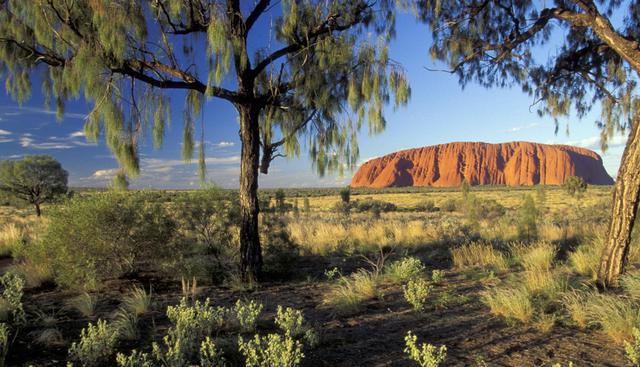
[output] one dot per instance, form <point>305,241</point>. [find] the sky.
<point>439,112</point>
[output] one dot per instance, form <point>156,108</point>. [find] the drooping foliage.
<point>566,54</point>
<point>323,73</point>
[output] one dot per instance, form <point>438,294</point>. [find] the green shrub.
<point>96,345</point>
<point>416,292</point>
<point>190,326</point>
<point>106,235</point>
<point>247,314</point>
<point>426,355</point>
<point>450,205</point>
<point>345,195</point>
<point>575,186</point>
<point>270,351</point>
<point>290,321</point>
<point>405,269</point>
<point>527,219</point>
<point>426,206</point>
<point>372,205</point>
<point>11,309</point>
<point>280,251</point>
<point>4,343</point>
<point>135,359</point>
<point>437,275</point>
<point>210,355</point>
<point>633,348</point>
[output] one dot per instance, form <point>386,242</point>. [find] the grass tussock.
<point>585,260</point>
<point>347,295</point>
<point>478,254</point>
<point>137,302</point>
<point>85,304</point>
<point>616,315</point>
<point>511,303</point>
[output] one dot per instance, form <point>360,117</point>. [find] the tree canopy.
<point>35,179</point>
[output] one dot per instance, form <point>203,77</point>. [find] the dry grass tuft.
<point>513,303</point>
<point>478,254</point>
<point>347,295</point>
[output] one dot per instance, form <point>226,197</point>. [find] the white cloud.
<point>593,142</point>
<point>23,110</point>
<point>224,144</point>
<point>520,128</point>
<point>27,142</point>
<point>77,134</point>
<point>5,140</point>
<point>5,132</point>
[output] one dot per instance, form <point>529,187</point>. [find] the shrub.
<point>135,359</point>
<point>290,321</point>
<point>426,355</point>
<point>272,350</point>
<point>477,254</point>
<point>450,205</point>
<point>514,302</point>
<point>107,235</point>
<point>190,325</point>
<point>280,251</point>
<point>372,206</point>
<point>11,309</point>
<point>405,269</point>
<point>4,343</point>
<point>345,195</point>
<point>247,314</point>
<point>527,218</point>
<point>633,348</point>
<point>426,206</point>
<point>575,186</point>
<point>96,344</point>
<point>437,275</point>
<point>416,293</point>
<point>210,355</point>
<point>210,219</point>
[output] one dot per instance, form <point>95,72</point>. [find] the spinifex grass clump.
<point>349,292</point>
<point>478,254</point>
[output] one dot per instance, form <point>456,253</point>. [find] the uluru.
<point>511,164</point>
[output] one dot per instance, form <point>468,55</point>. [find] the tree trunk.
<point>38,211</point>
<point>250,251</point>
<point>623,214</point>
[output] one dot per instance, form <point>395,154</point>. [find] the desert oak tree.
<point>323,71</point>
<point>590,61</point>
<point>36,179</point>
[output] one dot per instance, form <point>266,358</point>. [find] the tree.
<point>465,188</point>
<point>323,72</point>
<point>345,195</point>
<point>306,205</point>
<point>492,42</point>
<point>575,186</point>
<point>527,217</point>
<point>36,179</point>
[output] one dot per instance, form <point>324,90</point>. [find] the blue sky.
<point>439,112</point>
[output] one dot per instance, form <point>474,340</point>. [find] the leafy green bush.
<point>191,325</point>
<point>4,343</point>
<point>416,292</point>
<point>271,350</point>
<point>575,186</point>
<point>633,348</point>
<point>527,218</point>
<point>426,355</point>
<point>208,221</point>
<point>405,269</point>
<point>135,359</point>
<point>426,206</point>
<point>210,355</point>
<point>437,275</point>
<point>96,344</point>
<point>290,321</point>
<point>11,309</point>
<point>107,235</point>
<point>372,205</point>
<point>247,314</point>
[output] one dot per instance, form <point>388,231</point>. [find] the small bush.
<point>372,206</point>
<point>247,314</point>
<point>450,205</point>
<point>96,344</point>
<point>633,348</point>
<point>512,303</point>
<point>11,309</point>
<point>346,296</point>
<point>575,186</point>
<point>478,255</point>
<point>290,321</point>
<point>416,293</point>
<point>426,206</point>
<point>4,343</point>
<point>106,235</point>
<point>405,269</point>
<point>210,355</point>
<point>135,359</point>
<point>272,350</point>
<point>426,355</point>
<point>437,275</point>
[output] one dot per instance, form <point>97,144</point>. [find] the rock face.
<point>516,163</point>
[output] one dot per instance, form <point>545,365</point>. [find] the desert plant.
<point>426,355</point>
<point>96,345</point>
<point>191,324</point>
<point>106,235</point>
<point>11,309</point>
<point>247,314</point>
<point>437,275</point>
<point>405,269</point>
<point>416,292</point>
<point>631,285</point>
<point>632,348</point>
<point>49,337</point>
<point>617,316</point>
<point>527,218</point>
<point>125,323</point>
<point>271,350</point>
<point>290,321</point>
<point>137,301</point>
<point>210,355</point>
<point>576,303</point>
<point>4,343</point>
<point>85,304</point>
<point>510,302</point>
<point>345,195</point>
<point>135,359</point>
<point>346,296</point>
<point>575,186</point>
<point>306,206</point>
<point>478,254</point>
<point>585,260</point>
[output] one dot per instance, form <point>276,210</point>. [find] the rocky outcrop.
<point>513,164</point>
